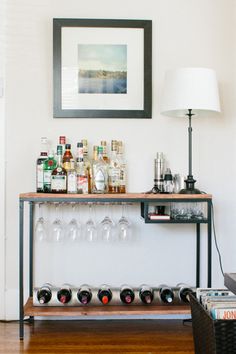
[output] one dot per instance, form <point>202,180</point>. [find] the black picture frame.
<point>117,112</point>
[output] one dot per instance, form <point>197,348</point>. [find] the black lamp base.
<point>190,189</point>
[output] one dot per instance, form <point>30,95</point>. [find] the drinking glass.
<point>90,226</point>
<point>106,228</point>
<point>124,226</point>
<point>40,226</point>
<point>57,230</point>
<point>73,228</point>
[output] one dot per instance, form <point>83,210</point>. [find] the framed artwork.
<point>102,68</point>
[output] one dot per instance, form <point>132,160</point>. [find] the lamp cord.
<point>215,239</point>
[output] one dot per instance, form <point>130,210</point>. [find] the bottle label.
<point>47,177</point>
<point>82,184</point>
<point>40,176</point>
<point>114,177</point>
<point>67,165</point>
<point>58,183</point>
<point>100,181</point>
<point>71,183</point>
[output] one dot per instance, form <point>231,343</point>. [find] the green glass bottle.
<point>48,166</point>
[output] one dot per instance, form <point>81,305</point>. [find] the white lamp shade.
<point>190,88</point>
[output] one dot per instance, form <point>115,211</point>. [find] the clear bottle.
<point>104,153</point>
<point>146,294</point>
<point>44,294</point>
<point>72,178</point>
<point>84,294</point>
<point>67,157</point>
<point>87,163</point>
<point>104,294</point>
<point>82,171</point>
<point>127,294</point>
<point>48,166</point>
<point>100,174</point>
<point>114,170</point>
<point>59,175</point>
<point>168,184</point>
<point>39,164</point>
<point>122,167</point>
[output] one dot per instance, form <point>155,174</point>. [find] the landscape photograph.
<point>102,68</point>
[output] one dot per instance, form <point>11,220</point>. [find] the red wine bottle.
<point>146,294</point>
<point>84,294</point>
<point>64,295</point>
<point>126,294</point>
<point>184,291</point>
<point>44,294</point>
<point>166,294</point>
<point>105,294</point>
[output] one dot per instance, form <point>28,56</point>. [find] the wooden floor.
<point>110,336</point>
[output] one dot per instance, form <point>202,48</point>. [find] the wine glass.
<point>124,226</point>
<point>57,230</point>
<point>40,226</point>
<point>106,228</point>
<point>90,226</point>
<point>73,228</point>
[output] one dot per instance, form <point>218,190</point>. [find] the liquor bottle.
<point>113,170</point>
<point>126,294</point>
<point>146,294</point>
<point>64,295</point>
<point>87,163</point>
<point>166,294</point>
<point>99,173</point>
<point>104,294</point>
<point>62,142</point>
<point>67,157</point>
<point>44,294</point>
<point>122,168</point>
<point>104,152</point>
<point>39,164</point>
<point>84,294</point>
<point>48,166</point>
<point>72,178</point>
<point>59,175</point>
<point>82,171</point>
<point>184,291</point>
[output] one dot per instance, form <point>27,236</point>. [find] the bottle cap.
<point>68,146</point>
<point>80,144</point>
<point>59,150</point>
<point>105,300</point>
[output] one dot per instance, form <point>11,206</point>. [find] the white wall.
<point>185,33</point>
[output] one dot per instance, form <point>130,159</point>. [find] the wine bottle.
<point>146,294</point>
<point>84,294</point>
<point>184,291</point>
<point>105,294</point>
<point>64,295</point>
<point>39,164</point>
<point>126,294</point>
<point>44,294</point>
<point>166,294</point>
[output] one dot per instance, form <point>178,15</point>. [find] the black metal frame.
<point>146,112</point>
<point>144,213</point>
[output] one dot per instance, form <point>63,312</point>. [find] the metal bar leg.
<point>31,250</point>
<point>197,255</point>
<point>21,268</point>
<point>209,238</point>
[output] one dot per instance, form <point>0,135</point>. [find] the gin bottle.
<point>114,171</point>
<point>100,173</point>
<point>82,172</point>
<point>87,163</point>
<point>72,178</point>
<point>59,175</point>
<point>39,164</point>
<point>48,166</point>
<point>122,168</point>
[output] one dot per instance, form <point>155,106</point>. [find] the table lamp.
<point>189,92</point>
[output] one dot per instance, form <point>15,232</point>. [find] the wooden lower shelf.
<point>31,310</point>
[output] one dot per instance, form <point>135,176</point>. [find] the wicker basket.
<point>211,336</point>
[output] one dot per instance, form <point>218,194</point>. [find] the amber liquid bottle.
<point>59,175</point>
<point>67,157</point>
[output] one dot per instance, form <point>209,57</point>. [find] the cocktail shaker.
<point>159,165</point>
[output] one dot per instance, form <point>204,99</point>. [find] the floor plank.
<point>103,336</point>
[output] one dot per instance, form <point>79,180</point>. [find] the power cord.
<point>216,243</point>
